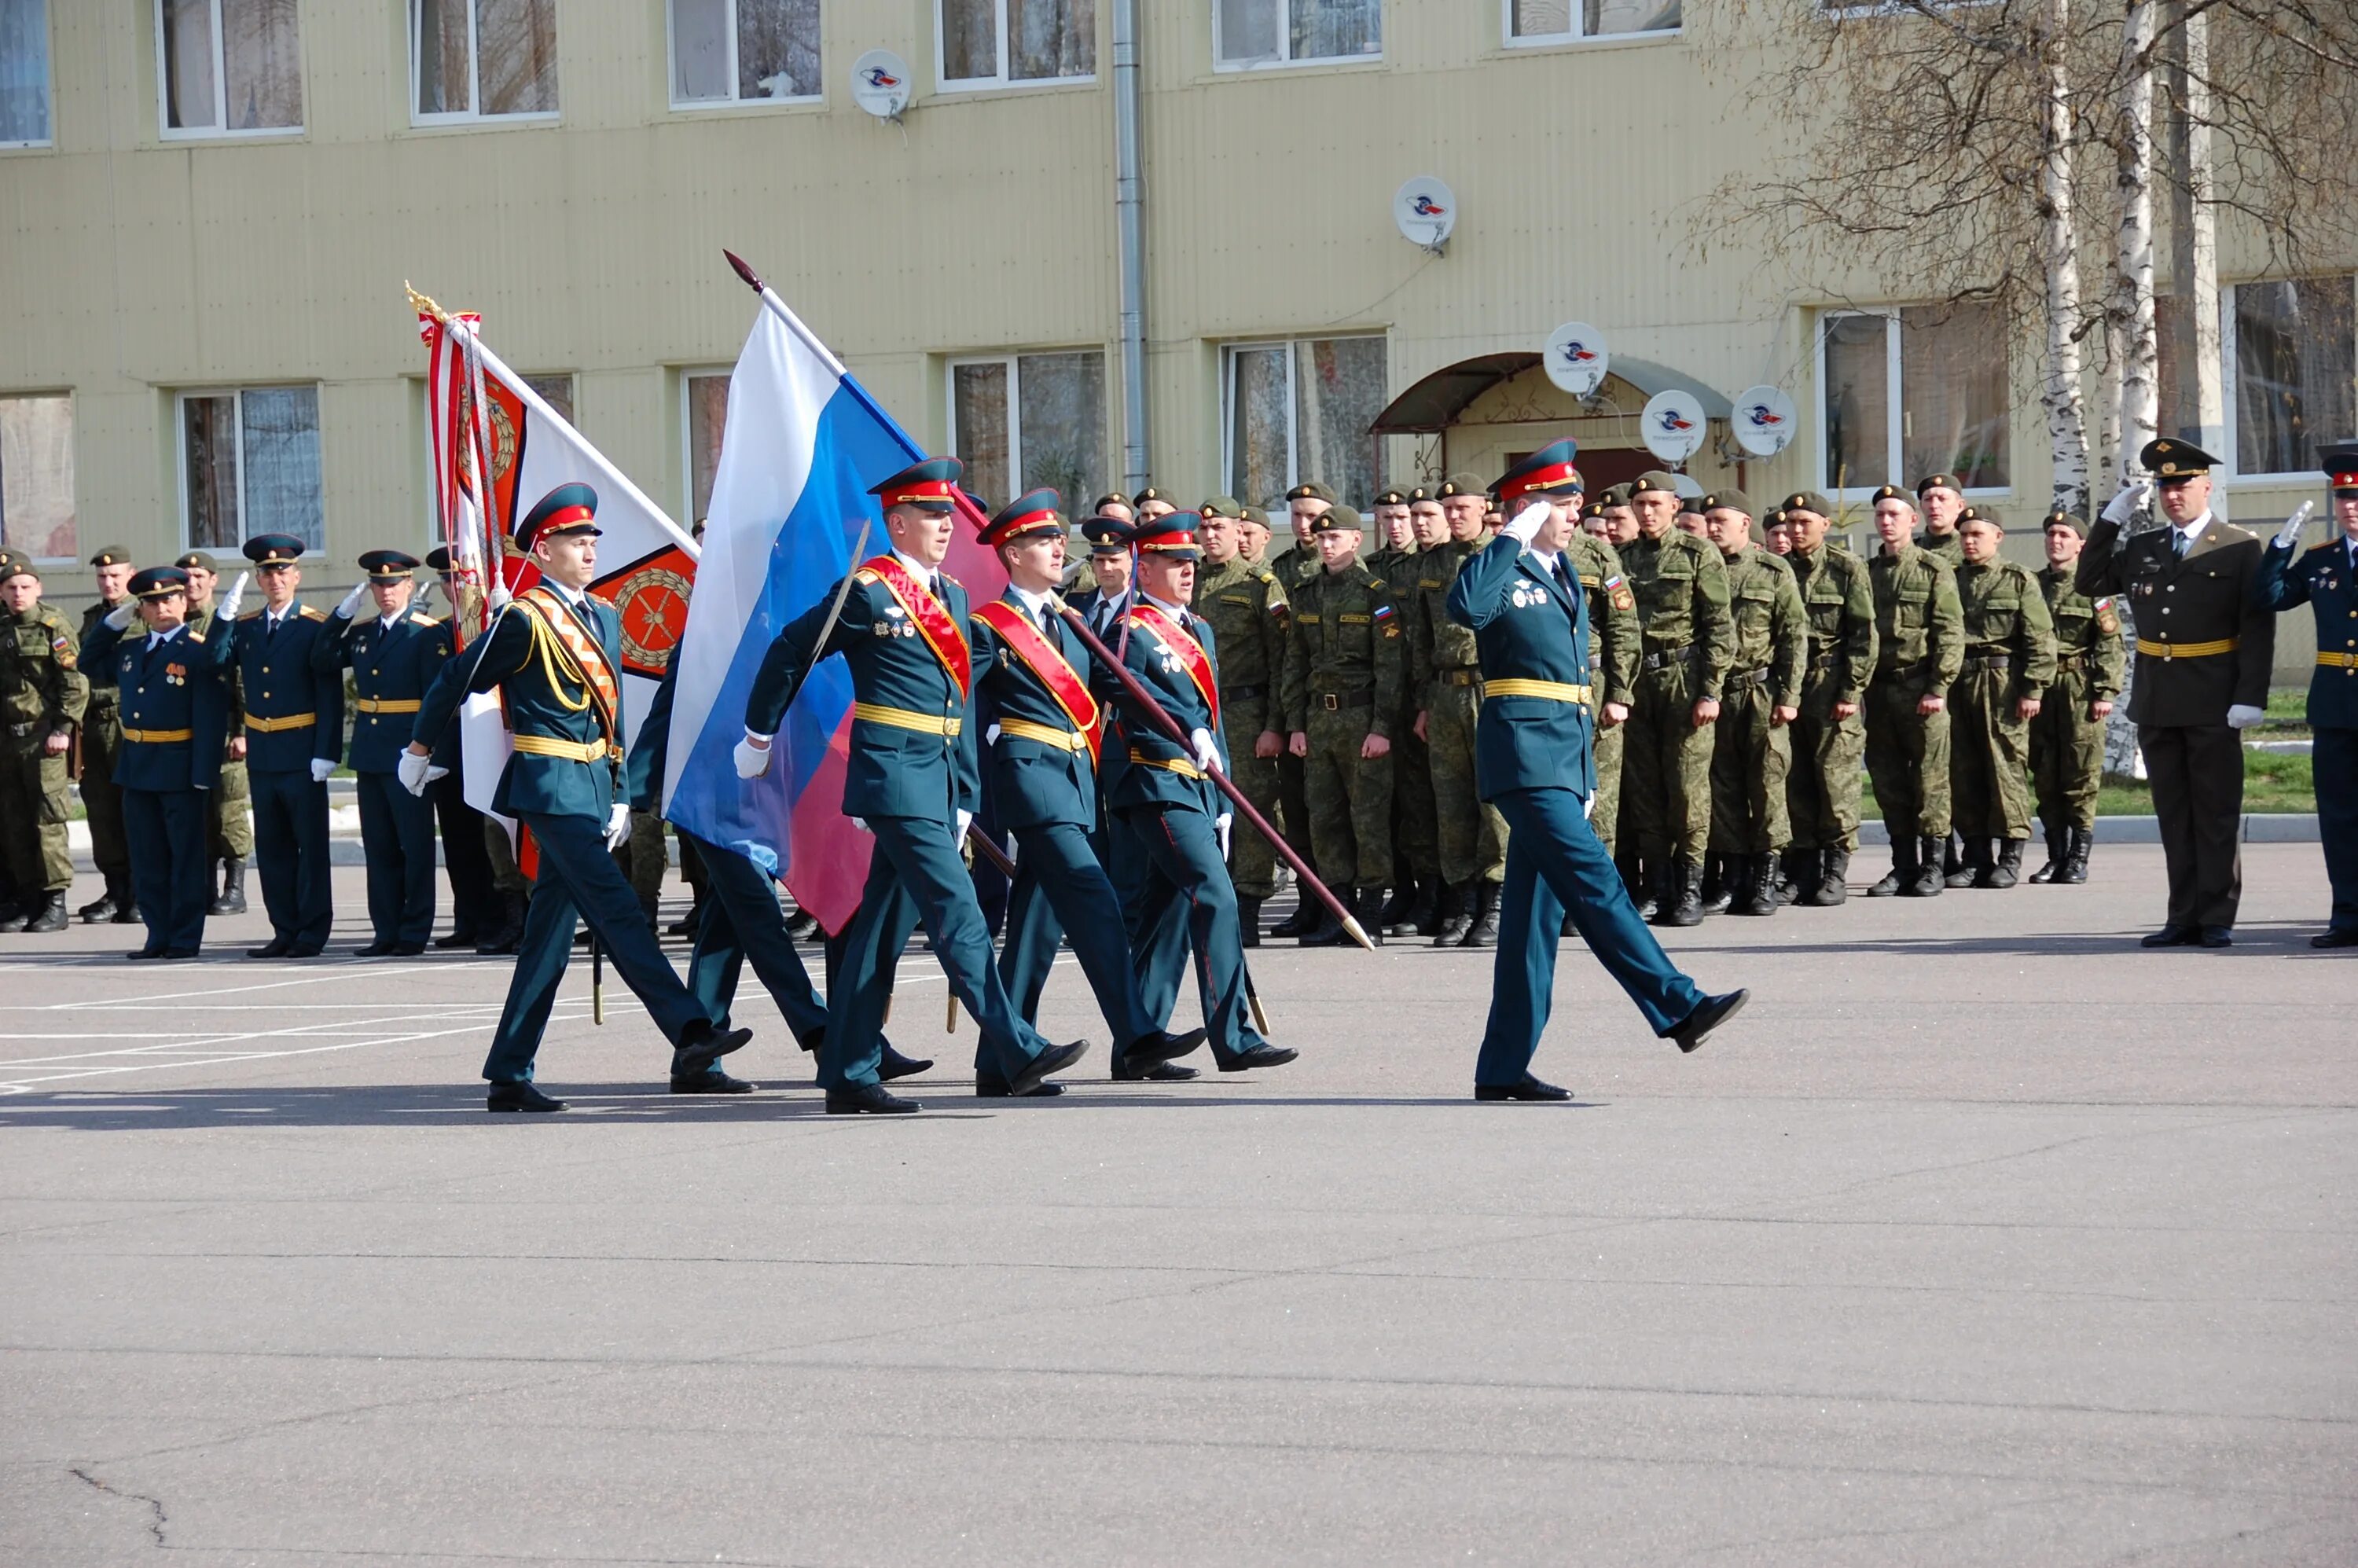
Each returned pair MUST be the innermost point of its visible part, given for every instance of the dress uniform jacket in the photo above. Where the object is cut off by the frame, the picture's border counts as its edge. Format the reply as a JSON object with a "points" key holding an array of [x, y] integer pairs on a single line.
{"points": [[294, 715], [2326, 579], [174, 709], [394, 663]]}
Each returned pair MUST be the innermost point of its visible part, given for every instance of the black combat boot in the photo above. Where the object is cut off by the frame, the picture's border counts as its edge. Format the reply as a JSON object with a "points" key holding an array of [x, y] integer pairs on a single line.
{"points": [[2057, 851], [692, 923], [1756, 885], [1398, 916], [1424, 914], [1637, 877], [1456, 913], [49, 911], [1683, 895], [1980, 856], [1307, 914], [2075, 867], [1903, 868], [508, 933], [1832, 890], [1248, 920], [1720, 875], [1957, 867], [1927, 881], [99, 908], [1326, 930], [232, 897], [1366, 904], [17, 912], [126, 902], [2006, 869], [1484, 932], [1796, 868], [651, 911]]}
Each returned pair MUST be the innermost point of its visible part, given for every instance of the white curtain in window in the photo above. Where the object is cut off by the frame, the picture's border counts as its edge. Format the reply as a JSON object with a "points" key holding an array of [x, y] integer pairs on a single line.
{"points": [[1259, 446], [777, 48], [969, 39], [440, 39], [1330, 29], [1605, 18], [1857, 417], [209, 431], [1953, 390], [2294, 372], [262, 64], [36, 477], [24, 70], [980, 395], [281, 460], [1338, 391], [1051, 37], [1062, 421]]}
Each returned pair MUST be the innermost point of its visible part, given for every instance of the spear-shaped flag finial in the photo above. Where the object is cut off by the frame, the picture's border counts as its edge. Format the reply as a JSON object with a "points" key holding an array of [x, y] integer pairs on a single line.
{"points": [[752, 279]]}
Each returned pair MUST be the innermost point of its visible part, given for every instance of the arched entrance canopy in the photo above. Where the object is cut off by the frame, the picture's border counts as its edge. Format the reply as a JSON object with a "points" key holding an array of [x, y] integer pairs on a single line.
{"points": [[1434, 403]]}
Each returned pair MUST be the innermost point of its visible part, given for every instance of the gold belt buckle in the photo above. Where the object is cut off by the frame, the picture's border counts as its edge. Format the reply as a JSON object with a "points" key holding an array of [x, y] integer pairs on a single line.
{"points": [[1330, 702]]}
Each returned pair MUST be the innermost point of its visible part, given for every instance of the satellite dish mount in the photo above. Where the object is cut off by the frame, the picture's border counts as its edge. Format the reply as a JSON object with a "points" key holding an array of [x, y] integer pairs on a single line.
{"points": [[1425, 212], [880, 84]]}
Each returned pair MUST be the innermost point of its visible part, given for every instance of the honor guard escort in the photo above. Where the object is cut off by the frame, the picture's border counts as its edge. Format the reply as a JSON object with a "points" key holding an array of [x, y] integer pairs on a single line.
{"points": [[1445, 677]]}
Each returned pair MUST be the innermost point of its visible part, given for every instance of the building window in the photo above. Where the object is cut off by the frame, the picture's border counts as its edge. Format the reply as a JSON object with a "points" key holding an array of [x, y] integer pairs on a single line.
{"points": [[1248, 33], [250, 464], [481, 59], [706, 417], [36, 477], [2292, 359], [229, 67], [743, 51], [1911, 392], [1565, 21], [556, 391], [997, 43], [1026, 421], [1300, 411], [24, 73]]}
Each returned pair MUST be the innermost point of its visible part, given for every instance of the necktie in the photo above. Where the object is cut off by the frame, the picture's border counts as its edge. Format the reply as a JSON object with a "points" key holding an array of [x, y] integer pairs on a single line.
{"points": [[2178, 542], [1562, 577]]}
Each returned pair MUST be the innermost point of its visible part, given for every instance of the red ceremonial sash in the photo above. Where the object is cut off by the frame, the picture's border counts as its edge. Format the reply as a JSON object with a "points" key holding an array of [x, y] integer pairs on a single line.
{"points": [[588, 659], [933, 621], [1176, 638], [1044, 659]]}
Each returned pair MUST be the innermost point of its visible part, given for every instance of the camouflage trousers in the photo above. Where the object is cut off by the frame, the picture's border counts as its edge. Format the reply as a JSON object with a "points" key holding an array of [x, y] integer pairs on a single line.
{"points": [[2067, 755], [645, 857], [101, 802], [1989, 754], [1350, 799], [1822, 792], [1666, 767], [1416, 843], [1470, 837], [1749, 759], [33, 818], [1605, 753], [1908, 758], [229, 814], [1252, 864], [506, 876]]}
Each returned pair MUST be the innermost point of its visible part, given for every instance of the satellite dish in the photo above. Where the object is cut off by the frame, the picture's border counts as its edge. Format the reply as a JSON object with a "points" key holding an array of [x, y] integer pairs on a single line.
{"points": [[880, 84], [1673, 425], [1689, 487], [1765, 420], [1425, 212], [1576, 358]]}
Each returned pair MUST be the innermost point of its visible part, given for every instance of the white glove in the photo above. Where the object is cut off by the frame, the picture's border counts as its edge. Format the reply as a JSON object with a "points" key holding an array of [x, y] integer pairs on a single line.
{"points": [[120, 616], [1207, 755], [1525, 524], [236, 596], [861, 823], [752, 761], [1220, 825], [350, 602], [2289, 534], [2118, 509], [990, 736], [965, 821], [322, 770], [2242, 714], [1588, 807], [618, 825], [411, 769]]}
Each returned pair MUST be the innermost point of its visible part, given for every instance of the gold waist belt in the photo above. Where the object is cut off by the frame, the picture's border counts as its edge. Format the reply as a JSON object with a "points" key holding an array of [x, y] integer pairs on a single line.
{"points": [[903, 718], [2339, 661], [274, 726], [1553, 690], [2184, 649], [160, 737], [1047, 734], [596, 750], [1180, 766], [387, 704]]}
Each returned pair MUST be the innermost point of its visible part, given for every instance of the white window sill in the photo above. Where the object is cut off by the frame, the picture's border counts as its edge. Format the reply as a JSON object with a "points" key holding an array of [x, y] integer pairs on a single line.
{"points": [[701, 106], [988, 86], [482, 121], [1588, 41], [48, 146], [1325, 62], [205, 133]]}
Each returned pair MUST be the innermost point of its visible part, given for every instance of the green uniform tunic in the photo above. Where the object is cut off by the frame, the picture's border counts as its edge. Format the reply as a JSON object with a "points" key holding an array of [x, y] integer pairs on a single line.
{"points": [[1919, 631], [2009, 655], [1822, 789], [1681, 583], [1614, 648], [1345, 664], [1245, 610], [42, 693], [2067, 741], [1753, 753]]}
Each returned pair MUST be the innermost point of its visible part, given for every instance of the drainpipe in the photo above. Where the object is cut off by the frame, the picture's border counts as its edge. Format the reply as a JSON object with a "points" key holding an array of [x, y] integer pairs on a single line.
{"points": [[1129, 201]]}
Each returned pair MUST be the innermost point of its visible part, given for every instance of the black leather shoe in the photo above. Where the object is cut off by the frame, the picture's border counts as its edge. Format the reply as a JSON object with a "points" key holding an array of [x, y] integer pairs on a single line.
{"points": [[1528, 1087], [375, 950], [177, 955], [465, 936], [896, 1066], [1055, 1059], [307, 950], [405, 949], [1709, 1014], [2170, 936], [2335, 937], [145, 953], [1261, 1056], [869, 1100], [696, 1054], [990, 1085], [2215, 936], [1160, 1046], [519, 1096], [713, 1082], [276, 948], [1152, 1073]]}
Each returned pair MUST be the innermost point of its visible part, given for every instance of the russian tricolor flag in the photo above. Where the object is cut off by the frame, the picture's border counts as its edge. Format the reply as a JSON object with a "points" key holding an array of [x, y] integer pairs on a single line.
{"points": [[803, 444]]}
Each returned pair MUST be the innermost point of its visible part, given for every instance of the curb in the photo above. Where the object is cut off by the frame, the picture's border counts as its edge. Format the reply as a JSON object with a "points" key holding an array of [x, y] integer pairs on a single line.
{"points": [[2259, 828]]}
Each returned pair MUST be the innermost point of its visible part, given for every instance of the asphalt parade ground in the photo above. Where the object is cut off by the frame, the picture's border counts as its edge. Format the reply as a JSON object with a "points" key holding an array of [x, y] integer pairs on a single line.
{"points": [[1981, 1237]]}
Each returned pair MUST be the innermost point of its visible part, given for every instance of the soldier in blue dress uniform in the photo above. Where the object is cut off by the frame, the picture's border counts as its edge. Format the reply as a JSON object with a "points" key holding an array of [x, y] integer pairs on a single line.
{"points": [[394, 655], [1032, 696], [175, 711], [913, 778], [294, 738], [2326, 579], [1533, 761], [554, 656]]}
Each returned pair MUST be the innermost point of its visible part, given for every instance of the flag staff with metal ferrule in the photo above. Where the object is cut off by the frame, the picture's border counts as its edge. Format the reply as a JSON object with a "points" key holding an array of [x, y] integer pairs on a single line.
{"points": [[1154, 711], [596, 979]]}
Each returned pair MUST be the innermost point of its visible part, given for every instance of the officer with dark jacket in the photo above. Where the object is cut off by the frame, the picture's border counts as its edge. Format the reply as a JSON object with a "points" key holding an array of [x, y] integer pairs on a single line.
{"points": [[101, 732]]}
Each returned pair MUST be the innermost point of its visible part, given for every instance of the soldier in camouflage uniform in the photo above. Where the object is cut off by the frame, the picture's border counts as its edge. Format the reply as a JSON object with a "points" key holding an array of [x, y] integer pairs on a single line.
{"points": [[2009, 665], [2066, 739], [228, 814], [101, 732], [1345, 664], [1245, 610], [1253, 536], [1614, 653], [1445, 674], [1941, 497], [1681, 583], [1416, 853], [1920, 631], [1753, 751], [1293, 566], [1299, 561], [42, 695], [1828, 737], [1620, 516]]}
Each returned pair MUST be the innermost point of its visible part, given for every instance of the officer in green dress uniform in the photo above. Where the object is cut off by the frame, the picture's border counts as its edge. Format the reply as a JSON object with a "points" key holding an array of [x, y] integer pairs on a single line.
{"points": [[1829, 737], [1246, 609], [229, 806], [102, 731], [2066, 739], [2009, 664], [1919, 634], [43, 695], [394, 655], [1753, 752]]}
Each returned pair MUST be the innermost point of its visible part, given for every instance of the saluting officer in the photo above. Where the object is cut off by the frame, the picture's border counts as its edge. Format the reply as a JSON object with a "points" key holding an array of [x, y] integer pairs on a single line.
{"points": [[43, 695], [2205, 643], [229, 805], [2066, 739], [2009, 664], [1828, 738], [1753, 751], [913, 777], [294, 718], [1247, 611], [2326, 579], [102, 731], [175, 713], [1920, 636], [1044, 729], [1530, 620], [1445, 674], [396, 655]]}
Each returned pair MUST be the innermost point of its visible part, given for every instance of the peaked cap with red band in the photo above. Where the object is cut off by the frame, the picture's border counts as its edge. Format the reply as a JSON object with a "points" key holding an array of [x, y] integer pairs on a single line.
{"points": [[1548, 472], [1032, 513], [1172, 534], [568, 509], [931, 485], [2340, 464]]}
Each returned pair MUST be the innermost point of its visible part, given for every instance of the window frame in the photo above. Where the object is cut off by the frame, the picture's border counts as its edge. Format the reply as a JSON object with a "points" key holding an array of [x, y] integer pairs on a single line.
{"points": [[1578, 36], [1292, 346], [687, 428], [1228, 67], [220, 130], [49, 139], [734, 101], [73, 422], [1011, 358], [473, 115], [1003, 82], [1894, 410], [236, 393], [2229, 381]]}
